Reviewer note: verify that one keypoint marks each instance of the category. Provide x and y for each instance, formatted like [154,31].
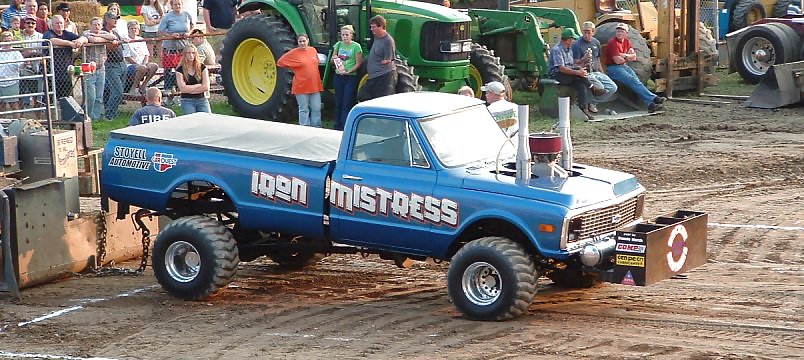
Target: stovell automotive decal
[632,248]
[130,158]
[677,255]
[630,260]
[272,187]
[378,201]
[163,161]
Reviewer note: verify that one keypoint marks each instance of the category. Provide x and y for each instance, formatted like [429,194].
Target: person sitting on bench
[563,69]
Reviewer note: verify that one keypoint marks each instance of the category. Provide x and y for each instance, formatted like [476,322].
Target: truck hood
[588,185]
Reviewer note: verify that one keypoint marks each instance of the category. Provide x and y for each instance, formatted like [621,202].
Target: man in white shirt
[504,112]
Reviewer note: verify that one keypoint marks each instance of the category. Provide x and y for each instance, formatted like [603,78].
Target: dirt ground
[744,167]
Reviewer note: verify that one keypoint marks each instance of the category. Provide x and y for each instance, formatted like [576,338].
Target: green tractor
[434,40]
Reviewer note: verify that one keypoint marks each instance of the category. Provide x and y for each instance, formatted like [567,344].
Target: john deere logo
[463,27]
[616,218]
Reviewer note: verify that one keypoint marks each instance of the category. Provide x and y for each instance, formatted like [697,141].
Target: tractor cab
[323,20]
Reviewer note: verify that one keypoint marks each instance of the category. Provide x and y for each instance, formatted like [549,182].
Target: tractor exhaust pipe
[523,148]
[564,131]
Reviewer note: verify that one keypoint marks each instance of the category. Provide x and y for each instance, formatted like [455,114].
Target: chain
[102,233]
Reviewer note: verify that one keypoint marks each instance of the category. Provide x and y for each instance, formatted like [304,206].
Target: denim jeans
[114,81]
[602,80]
[345,89]
[309,109]
[194,105]
[95,83]
[626,76]
[581,86]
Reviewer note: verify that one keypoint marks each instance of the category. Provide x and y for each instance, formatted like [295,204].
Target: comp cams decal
[378,201]
[279,187]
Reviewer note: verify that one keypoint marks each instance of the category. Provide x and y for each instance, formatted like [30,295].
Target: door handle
[350,177]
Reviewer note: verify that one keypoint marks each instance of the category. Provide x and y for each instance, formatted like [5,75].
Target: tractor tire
[485,68]
[194,257]
[491,279]
[760,48]
[296,260]
[780,8]
[745,13]
[252,82]
[406,79]
[706,41]
[573,278]
[643,67]
[793,41]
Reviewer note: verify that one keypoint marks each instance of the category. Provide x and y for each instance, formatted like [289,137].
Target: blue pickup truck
[413,176]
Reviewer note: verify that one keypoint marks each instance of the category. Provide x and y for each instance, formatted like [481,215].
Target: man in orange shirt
[306,86]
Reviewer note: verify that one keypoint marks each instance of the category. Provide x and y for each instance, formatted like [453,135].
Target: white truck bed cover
[287,142]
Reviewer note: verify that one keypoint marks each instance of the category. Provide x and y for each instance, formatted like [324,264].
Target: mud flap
[782,85]
[651,252]
[8,280]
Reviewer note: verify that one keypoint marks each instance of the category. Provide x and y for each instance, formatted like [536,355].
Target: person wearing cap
[586,52]
[64,42]
[564,70]
[115,67]
[64,10]
[15,8]
[619,53]
[504,112]
[96,81]
[30,86]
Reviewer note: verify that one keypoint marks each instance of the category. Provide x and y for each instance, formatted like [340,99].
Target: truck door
[378,191]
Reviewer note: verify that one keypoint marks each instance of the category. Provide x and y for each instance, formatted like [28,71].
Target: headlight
[456,47]
[467,46]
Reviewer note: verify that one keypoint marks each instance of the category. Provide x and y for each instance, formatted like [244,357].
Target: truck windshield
[465,137]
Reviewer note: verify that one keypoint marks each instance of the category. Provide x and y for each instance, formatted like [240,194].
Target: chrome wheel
[481,283]
[758,55]
[182,261]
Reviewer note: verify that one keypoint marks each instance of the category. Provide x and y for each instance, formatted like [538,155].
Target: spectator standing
[380,64]
[30,86]
[504,112]
[205,53]
[563,69]
[153,110]
[307,87]
[42,13]
[115,67]
[467,91]
[219,14]
[9,69]
[64,42]
[96,51]
[618,53]
[192,78]
[64,10]
[176,25]
[140,67]
[349,55]
[586,53]
[30,8]
[120,26]
[152,14]
[15,8]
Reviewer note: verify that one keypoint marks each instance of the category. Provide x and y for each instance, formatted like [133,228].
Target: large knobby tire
[491,279]
[643,67]
[758,49]
[706,41]
[484,68]
[573,278]
[194,257]
[780,8]
[745,13]
[406,78]
[252,82]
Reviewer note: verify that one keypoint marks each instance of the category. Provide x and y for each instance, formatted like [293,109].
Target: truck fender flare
[501,217]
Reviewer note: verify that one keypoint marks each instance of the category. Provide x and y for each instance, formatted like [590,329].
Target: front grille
[434,33]
[605,220]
